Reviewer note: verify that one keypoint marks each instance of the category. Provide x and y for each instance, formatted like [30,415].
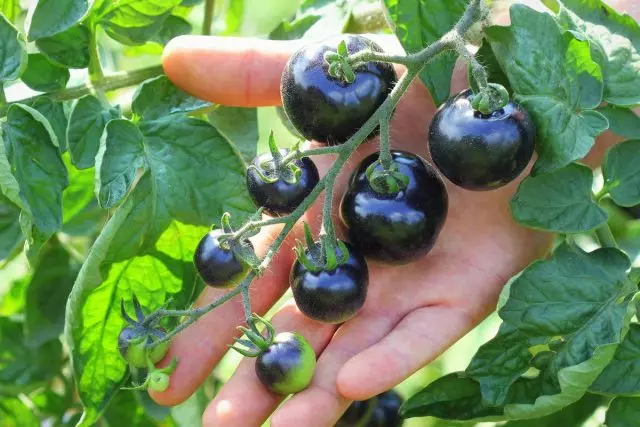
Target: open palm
[412,312]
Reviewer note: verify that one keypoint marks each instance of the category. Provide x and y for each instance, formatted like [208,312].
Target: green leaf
[418,23]
[622,173]
[120,156]
[125,410]
[69,48]
[591,283]
[44,76]
[615,45]
[87,121]
[10,234]
[591,310]
[47,294]
[22,368]
[81,213]
[559,201]
[574,415]
[233,15]
[499,363]
[54,112]
[14,52]
[239,126]
[39,171]
[622,121]
[623,412]
[172,27]
[453,396]
[134,22]
[158,97]
[10,9]
[559,85]
[314,19]
[50,17]
[15,413]
[125,259]
[622,375]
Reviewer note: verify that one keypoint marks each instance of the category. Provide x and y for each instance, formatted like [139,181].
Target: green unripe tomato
[287,365]
[132,346]
[158,381]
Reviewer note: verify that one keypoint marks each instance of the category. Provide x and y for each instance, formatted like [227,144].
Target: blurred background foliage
[36,387]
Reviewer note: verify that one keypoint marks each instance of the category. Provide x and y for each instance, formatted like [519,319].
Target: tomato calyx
[489,99]
[326,254]
[386,180]
[278,167]
[339,66]
[239,245]
[256,342]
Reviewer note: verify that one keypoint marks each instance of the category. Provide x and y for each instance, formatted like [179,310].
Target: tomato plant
[111,178]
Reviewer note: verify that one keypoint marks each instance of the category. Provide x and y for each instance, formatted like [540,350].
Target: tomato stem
[605,236]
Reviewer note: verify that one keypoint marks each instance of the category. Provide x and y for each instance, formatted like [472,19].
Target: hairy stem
[209,10]
[294,155]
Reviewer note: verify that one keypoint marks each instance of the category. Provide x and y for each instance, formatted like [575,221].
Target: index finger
[233,71]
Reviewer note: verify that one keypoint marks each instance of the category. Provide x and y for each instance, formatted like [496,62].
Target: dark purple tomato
[328,109]
[218,266]
[477,151]
[331,296]
[280,197]
[395,228]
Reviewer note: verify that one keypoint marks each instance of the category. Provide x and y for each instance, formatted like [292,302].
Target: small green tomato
[287,365]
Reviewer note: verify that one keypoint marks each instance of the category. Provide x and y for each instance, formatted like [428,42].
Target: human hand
[412,313]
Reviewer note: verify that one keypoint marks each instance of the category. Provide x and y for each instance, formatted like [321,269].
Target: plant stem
[209,10]
[95,68]
[3,96]
[108,83]
[294,155]
[415,63]
[605,236]
[385,157]
[601,194]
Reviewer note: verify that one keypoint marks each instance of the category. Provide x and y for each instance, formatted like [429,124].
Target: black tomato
[477,151]
[287,365]
[218,266]
[327,109]
[395,228]
[380,411]
[331,296]
[280,197]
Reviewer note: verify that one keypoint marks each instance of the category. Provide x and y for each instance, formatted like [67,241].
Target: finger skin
[201,346]
[230,408]
[241,72]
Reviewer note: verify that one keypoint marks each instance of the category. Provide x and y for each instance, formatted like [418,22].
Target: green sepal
[308,237]
[383,181]
[491,98]
[260,173]
[342,49]
[226,223]
[331,57]
[274,149]
[335,69]
[329,252]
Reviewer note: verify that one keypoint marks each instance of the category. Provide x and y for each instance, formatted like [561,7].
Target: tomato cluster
[394,208]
